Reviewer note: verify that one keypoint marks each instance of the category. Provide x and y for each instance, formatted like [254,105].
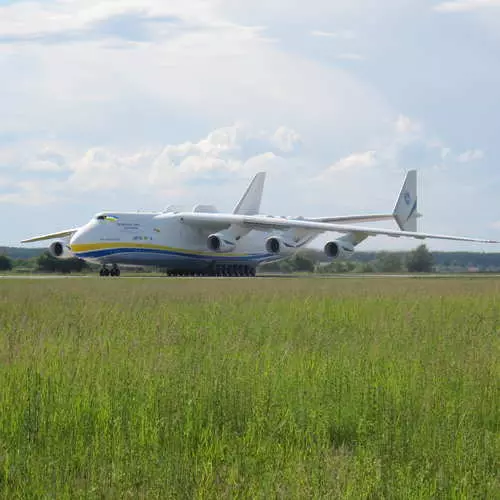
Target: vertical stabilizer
[405,212]
[250,201]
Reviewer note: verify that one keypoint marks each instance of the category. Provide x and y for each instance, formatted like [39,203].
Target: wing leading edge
[52,236]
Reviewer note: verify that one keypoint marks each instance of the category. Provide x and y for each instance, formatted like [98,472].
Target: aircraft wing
[52,236]
[348,219]
[263,223]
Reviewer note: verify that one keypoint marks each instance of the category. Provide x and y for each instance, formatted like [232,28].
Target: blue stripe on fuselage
[96,254]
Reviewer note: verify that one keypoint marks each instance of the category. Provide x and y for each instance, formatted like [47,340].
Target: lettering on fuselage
[126,226]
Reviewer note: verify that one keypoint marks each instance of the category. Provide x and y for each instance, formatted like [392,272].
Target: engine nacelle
[60,250]
[339,250]
[219,242]
[278,246]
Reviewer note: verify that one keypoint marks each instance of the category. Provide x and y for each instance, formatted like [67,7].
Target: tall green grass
[288,388]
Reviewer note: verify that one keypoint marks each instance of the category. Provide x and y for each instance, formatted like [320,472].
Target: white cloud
[30,193]
[470,156]
[32,21]
[342,35]
[355,161]
[466,5]
[43,166]
[225,154]
[407,126]
[286,140]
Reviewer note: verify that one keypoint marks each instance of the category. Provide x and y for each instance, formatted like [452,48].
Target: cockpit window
[107,217]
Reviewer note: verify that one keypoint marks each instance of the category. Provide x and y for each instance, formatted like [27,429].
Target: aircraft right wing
[262,223]
[52,236]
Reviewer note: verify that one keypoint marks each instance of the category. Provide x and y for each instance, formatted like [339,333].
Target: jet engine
[219,242]
[60,250]
[278,246]
[339,249]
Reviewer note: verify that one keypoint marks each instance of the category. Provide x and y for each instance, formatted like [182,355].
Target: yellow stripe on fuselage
[93,247]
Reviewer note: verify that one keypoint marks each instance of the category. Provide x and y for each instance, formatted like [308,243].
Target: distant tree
[49,264]
[302,263]
[272,267]
[286,266]
[338,266]
[366,267]
[420,260]
[389,262]
[5,263]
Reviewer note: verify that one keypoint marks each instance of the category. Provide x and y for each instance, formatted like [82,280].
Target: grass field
[270,388]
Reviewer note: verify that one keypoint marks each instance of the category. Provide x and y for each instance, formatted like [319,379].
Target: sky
[142,104]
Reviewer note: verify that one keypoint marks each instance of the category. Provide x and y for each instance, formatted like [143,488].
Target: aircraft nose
[79,237]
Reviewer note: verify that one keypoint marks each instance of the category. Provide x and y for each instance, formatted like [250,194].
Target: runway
[37,277]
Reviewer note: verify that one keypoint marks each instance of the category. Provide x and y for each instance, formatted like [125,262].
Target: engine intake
[219,242]
[277,245]
[338,250]
[60,250]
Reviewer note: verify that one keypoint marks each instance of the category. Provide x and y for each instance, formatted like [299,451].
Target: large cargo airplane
[207,243]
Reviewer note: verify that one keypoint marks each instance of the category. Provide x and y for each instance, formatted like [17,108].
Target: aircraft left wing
[263,223]
[52,236]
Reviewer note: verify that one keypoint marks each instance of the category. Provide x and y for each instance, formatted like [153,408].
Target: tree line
[419,260]
[42,263]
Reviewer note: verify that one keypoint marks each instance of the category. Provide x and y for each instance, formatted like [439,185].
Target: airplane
[204,242]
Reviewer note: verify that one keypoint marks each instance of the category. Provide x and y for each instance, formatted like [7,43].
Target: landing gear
[219,270]
[104,272]
[114,271]
[234,271]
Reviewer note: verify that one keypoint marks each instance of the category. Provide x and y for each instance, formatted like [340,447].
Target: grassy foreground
[271,388]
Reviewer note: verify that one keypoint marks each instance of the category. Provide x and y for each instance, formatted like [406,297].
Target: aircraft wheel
[253,273]
[105,272]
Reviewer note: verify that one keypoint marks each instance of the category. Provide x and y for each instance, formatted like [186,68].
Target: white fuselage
[160,240]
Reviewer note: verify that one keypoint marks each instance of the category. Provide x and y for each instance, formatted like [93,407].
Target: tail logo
[407,198]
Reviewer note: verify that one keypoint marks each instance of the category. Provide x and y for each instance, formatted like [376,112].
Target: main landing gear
[235,271]
[230,271]
[114,271]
